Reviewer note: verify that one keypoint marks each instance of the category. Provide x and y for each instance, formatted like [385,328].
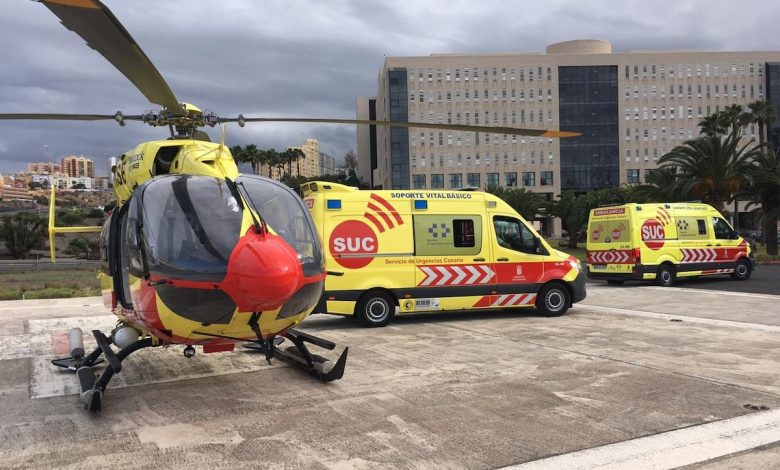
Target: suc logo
[653,234]
[353,244]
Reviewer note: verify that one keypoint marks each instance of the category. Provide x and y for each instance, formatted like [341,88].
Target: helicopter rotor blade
[95,23]
[417,125]
[67,117]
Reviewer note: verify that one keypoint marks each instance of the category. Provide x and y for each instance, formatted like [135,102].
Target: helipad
[470,390]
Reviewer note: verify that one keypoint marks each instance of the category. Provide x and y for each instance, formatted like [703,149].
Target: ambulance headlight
[575,264]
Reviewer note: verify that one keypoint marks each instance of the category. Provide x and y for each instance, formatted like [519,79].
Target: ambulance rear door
[609,245]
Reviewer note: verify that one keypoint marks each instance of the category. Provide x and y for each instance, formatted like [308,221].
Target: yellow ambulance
[421,251]
[663,242]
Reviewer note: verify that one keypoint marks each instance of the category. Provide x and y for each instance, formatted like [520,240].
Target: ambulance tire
[375,308]
[666,275]
[553,300]
[741,270]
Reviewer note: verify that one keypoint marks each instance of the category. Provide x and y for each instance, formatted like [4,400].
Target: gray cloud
[306,59]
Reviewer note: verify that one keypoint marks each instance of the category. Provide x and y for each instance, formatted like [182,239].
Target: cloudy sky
[300,58]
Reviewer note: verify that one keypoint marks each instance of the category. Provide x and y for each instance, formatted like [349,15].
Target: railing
[45,264]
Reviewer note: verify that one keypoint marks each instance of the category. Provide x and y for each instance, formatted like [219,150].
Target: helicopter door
[117,256]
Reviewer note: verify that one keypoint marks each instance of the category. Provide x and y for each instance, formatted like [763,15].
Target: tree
[573,210]
[764,189]
[271,158]
[85,248]
[22,232]
[527,203]
[710,167]
[351,160]
[292,154]
[763,114]
[70,217]
[712,125]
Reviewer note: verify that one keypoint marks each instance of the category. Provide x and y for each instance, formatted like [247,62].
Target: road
[764,280]
[635,377]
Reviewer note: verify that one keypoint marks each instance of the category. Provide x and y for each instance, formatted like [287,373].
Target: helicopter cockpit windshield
[190,225]
[288,217]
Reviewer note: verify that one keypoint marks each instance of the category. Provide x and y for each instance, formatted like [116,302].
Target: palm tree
[765,190]
[734,117]
[573,210]
[661,186]
[763,114]
[252,156]
[272,159]
[710,167]
[238,153]
[527,203]
[712,125]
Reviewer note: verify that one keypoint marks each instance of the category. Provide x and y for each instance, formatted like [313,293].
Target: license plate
[599,267]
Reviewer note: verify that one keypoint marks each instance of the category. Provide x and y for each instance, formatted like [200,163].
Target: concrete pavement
[473,390]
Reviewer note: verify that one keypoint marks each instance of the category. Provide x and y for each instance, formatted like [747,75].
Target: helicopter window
[190,226]
[285,213]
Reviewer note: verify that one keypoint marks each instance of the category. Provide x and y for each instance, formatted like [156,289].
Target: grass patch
[49,284]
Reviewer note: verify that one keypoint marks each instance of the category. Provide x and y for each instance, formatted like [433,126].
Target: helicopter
[195,253]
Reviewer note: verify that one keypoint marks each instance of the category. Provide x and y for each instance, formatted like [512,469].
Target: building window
[472,180]
[418,181]
[529,178]
[492,179]
[547,178]
[632,176]
[437,181]
[456,180]
[510,178]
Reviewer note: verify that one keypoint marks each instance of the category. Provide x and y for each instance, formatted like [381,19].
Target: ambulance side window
[463,233]
[513,234]
[702,226]
[722,229]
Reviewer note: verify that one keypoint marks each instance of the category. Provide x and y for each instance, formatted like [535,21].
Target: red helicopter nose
[263,272]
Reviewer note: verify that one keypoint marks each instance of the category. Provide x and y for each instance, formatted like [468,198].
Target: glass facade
[589,104]
[773,97]
[399,136]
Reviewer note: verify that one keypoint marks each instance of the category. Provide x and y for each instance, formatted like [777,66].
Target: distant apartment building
[43,168]
[327,164]
[631,109]
[77,166]
[101,183]
[309,166]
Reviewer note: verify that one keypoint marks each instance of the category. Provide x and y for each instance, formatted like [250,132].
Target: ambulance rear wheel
[375,308]
[666,275]
[553,300]
[741,270]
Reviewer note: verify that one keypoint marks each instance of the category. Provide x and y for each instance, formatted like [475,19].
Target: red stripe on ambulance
[456,275]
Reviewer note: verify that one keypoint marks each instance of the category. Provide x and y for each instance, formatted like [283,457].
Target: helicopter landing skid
[300,356]
[92,386]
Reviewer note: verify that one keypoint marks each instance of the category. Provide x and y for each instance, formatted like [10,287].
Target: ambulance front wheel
[375,308]
[741,270]
[666,275]
[553,300]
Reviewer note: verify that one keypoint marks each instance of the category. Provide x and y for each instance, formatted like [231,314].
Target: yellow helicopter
[195,253]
